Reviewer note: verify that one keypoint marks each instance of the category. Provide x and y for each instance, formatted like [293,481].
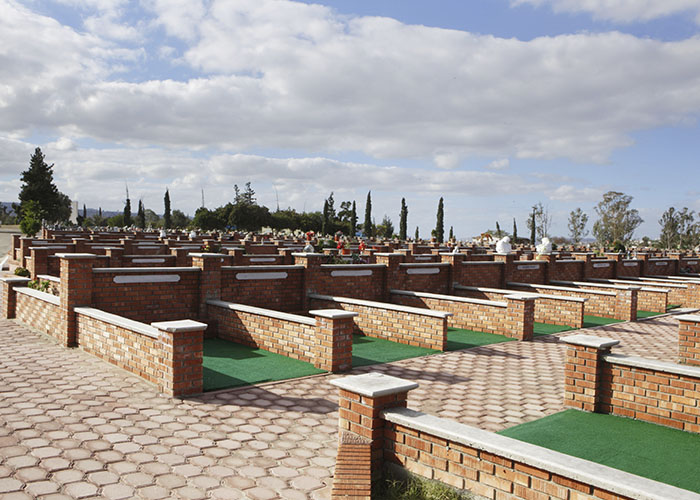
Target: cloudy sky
[494,104]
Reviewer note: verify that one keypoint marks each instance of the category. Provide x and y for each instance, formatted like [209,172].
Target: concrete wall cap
[76,255]
[120,321]
[145,269]
[452,298]
[382,305]
[302,254]
[523,296]
[561,288]
[505,291]
[653,364]
[374,385]
[425,264]
[484,262]
[333,313]
[590,341]
[600,476]
[262,268]
[353,266]
[179,326]
[207,255]
[15,279]
[295,318]
[48,277]
[689,317]
[37,294]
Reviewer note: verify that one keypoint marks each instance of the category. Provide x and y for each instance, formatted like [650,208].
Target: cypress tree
[367,227]
[498,229]
[417,235]
[166,212]
[127,209]
[141,216]
[533,227]
[515,231]
[452,233]
[403,220]
[324,220]
[353,220]
[440,224]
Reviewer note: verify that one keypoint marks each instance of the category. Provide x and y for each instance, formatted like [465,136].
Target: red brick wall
[625,268]
[147,302]
[661,267]
[131,260]
[403,327]
[598,304]
[44,316]
[689,341]
[280,294]
[489,275]
[692,263]
[369,287]
[603,269]
[412,278]
[569,270]
[521,272]
[652,300]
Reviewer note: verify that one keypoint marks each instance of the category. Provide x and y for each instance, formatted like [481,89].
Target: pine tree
[440,224]
[166,212]
[367,227]
[38,186]
[141,216]
[127,209]
[403,220]
[353,220]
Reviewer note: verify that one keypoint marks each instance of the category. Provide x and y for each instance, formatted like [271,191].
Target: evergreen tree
[403,220]
[31,218]
[353,220]
[141,216]
[532,224]
[367,226]
[440,224]
[166,213]
[515,231]
[417,235]
[38,186]
[452,233]
[324,221]
[498,230]
[127,209]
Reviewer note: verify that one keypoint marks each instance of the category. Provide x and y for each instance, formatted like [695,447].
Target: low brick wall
[569,270]
[489,274]
[153,260]
[689,339]
[271,287]
[644,389]
[648,298]
[433,277]
[373,409]
[687,288]
[40,310]
[621,304]
[549,309]
[406,325]
[661,266]
[513,317]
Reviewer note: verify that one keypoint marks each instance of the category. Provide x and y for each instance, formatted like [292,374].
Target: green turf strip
[458,338]
[540,329]
[672,306]
[370,351]
[652,451]
[227,364]
[646,314]
[590,321]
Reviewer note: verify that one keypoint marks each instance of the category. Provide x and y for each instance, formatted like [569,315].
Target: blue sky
[494,104]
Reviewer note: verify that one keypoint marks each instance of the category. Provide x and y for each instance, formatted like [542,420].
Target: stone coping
[665,281]
[649,287]
[600,476]
[374,384]
[150,256]
[660,259]
[208,255]
[51,247]
[120,321]
[262,268]
[482,262]
[425,264]
[48,277]
[561,288]
[674,279]
[14,279]
[294,318]
[180,326]
[451,298]
[37,294]
[382,305]
[333,313]
[689,317]
[652,364]
[145,269]
[310,254]
[352,266]
[585,283]
[76,255]
[590,341]
[505,291]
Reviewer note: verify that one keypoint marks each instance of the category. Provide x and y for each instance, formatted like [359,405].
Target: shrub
[21,271]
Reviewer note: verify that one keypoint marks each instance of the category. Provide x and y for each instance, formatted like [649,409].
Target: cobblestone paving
[72,426]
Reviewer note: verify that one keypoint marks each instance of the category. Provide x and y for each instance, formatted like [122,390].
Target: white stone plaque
[261,276]
[527,267]
[429,270]
[602,264]
[147,278]
[359,272]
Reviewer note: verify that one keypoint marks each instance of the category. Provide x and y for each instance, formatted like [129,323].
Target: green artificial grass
[458,338]
[227,364]
[540,329]
[646,314]
[652,451]
[672,306]
[371,351]
[590,321]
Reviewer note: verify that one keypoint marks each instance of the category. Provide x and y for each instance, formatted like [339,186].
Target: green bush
[21,271]
[415,488]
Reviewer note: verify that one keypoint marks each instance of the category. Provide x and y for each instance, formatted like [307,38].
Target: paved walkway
[72,426]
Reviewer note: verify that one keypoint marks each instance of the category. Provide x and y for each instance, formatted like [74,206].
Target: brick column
[237,255]
[15,246]
[587,259]
[689,339]
[180,256]
[116,256]
[9,296]
[521,316]
[334,329]
[583,370]
[80,244]
[508,260]
[286,253]
[551,261]
[75,291]
[455,260]
[183,345]
[626,303]
[392,277]
[361,401]
[209,280]
[312,264]
[24,244]
[644,257]
[39,263]
[128,245]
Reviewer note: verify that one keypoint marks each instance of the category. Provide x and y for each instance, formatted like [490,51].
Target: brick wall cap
[37,294]
[505,291]
[120,321]
[263,312]
[689,317]
[600,476]
[482,262]
[14,279]
[207,255]
[382,305]
[76,255]
[523,297]
[452,298]
[145,269]
[48,277]
[590,341]
[333,313]
[262,268]
[424,264]
[179,326]
[374,384]
[562,288]
[352,266]
[653,364]
[302,254]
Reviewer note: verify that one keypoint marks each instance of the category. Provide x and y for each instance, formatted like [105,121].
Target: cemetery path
[72,426]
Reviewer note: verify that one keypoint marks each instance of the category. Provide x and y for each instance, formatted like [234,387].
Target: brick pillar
[333,339]
[361,401]
[75,291]
[39,263]
[128,245]
[183,344]
[689,339]
[24,244]
[626,303]
[312,264]
[116,256]
[80,245]
[15,246]
[508,260]
[286,254]
[180,256]
[583,370]
[644,257]
[9,296]
[455,260]
[237,255]
[549,270]
[520,312]
[209,281]
[587,259]
[392,277]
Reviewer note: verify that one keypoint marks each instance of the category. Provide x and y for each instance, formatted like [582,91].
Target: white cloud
[577,194]
[502,164]
[621,11]
[446,160]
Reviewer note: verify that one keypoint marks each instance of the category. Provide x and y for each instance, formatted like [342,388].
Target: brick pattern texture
[567,271]
[583,373]
[282,294]
[352,479]
[487,275]
[41,315]
[689,342]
